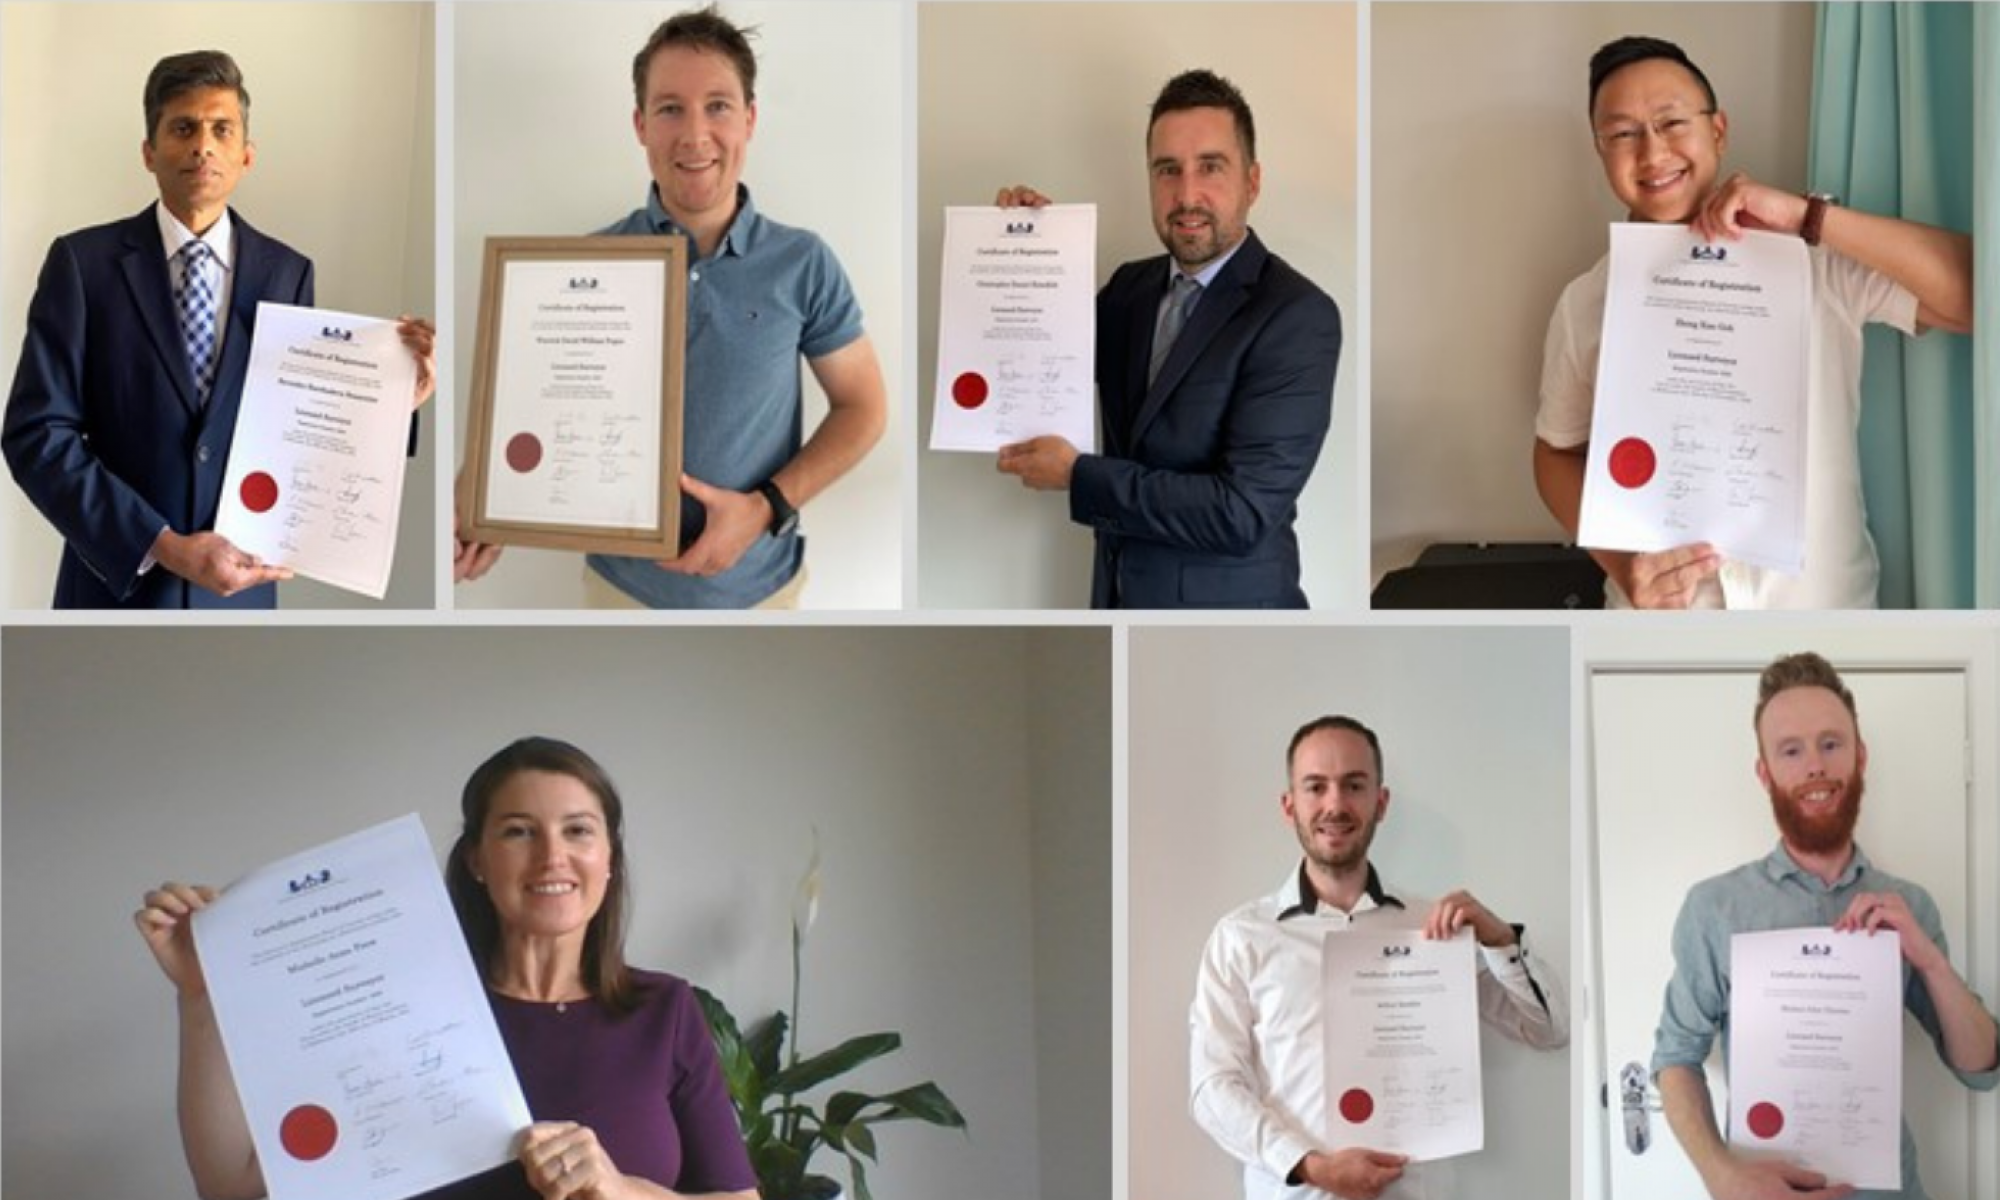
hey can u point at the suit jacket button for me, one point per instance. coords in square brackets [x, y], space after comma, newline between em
[201, 454]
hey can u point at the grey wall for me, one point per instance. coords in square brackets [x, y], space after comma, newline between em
[957, 778]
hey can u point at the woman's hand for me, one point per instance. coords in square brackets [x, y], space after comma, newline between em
[169, 932]
[565, 1162]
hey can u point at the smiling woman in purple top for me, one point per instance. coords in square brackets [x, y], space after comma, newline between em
[616, 1063]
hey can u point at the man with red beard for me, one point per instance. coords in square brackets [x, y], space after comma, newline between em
[1811, 759]
[1257, 1068]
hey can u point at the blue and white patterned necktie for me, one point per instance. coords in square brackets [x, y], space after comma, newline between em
[194, 300]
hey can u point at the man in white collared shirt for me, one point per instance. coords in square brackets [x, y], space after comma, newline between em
[1257, 1067]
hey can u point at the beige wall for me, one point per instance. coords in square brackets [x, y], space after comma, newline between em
[1487, 199]
[349, 184]
[544, 145]
[1056, 95]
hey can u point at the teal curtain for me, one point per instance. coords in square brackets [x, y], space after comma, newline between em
[1986, 275]
[1893, 118]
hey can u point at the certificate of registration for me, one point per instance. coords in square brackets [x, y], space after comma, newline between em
[1402, 1044]
[315, 479]
[358, 1032]
[1017, 327]
[1816, 1052]
[1699, 428]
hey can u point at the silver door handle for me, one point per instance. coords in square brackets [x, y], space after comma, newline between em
[1637, 1100]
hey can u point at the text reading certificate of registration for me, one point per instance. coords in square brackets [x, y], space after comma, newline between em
[358, 1032]
[1816, 1052]
[1017, 327]
[1402, 1043]
[1699, 428]
[315, 479]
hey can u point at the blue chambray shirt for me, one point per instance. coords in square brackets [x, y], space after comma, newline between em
[768, 295]
[1776, 893]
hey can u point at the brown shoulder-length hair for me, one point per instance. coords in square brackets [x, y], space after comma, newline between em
[604, 971]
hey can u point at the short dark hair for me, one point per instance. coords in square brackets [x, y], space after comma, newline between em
[1206, 89]
[1614, 56]
[604, 971]
[704, 29]
[1322, 725]
[178, 74]
[1804, 669]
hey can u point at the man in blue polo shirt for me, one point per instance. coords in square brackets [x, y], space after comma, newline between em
[760, 295]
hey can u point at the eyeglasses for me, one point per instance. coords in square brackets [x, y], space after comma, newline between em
[1669, 127]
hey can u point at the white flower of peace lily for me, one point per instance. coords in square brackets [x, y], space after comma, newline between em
[805, 898]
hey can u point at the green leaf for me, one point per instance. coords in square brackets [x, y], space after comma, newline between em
[924, 1102]
[812, 1072]
[766, 1042]
[862, 1138]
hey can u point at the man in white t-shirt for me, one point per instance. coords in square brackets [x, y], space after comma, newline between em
[1661, 135]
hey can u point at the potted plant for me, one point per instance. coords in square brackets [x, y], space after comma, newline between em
[767, 1079]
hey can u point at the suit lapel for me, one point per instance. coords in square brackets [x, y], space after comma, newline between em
[252, 283]
[145, 268]
[1228, 292]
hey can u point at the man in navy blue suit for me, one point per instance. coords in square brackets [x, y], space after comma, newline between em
[123, 406]
[1215, 366]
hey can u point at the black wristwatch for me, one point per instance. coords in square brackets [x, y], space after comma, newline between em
[1816, 205]
[784, 518]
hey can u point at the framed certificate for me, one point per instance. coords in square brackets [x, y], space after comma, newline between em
[574, 437]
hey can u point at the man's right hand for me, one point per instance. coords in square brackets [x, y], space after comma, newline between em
[166, 922]
[1670, 578]
[1020, 196]
[209, 560]
[1773, 1181]
[469, 559]
[1352, 1174]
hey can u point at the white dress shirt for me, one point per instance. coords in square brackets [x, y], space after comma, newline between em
[1257, 1063]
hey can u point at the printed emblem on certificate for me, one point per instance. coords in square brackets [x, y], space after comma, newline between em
[1402, 1044]
[1699, 428]
[358, 1033]
[574, 432]
[1017, 327]
[1816, 1052]
[315, 479]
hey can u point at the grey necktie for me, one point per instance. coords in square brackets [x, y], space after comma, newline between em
[1174, 312]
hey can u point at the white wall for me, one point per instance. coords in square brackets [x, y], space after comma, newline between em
[1056, 95]
[347, 184]
[1474, 727]
[544, 145]
[946, 807]
[1970, 644]
[1488, 198]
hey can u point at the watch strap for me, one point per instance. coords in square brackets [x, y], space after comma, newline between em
[783, 516]
[1816, 205]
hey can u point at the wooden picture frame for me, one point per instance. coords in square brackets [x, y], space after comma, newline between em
[556, 366]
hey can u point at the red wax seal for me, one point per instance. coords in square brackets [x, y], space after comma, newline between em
[1632, 463]
[524, 452]
[1765, 1120]
[969, 390]
[259, 492]
[1356, 1106]
[308, 1133]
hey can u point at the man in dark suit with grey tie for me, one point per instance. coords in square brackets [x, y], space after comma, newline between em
[1215, 367]
[119, 422]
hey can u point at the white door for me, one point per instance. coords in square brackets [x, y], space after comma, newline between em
[1674, 799]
